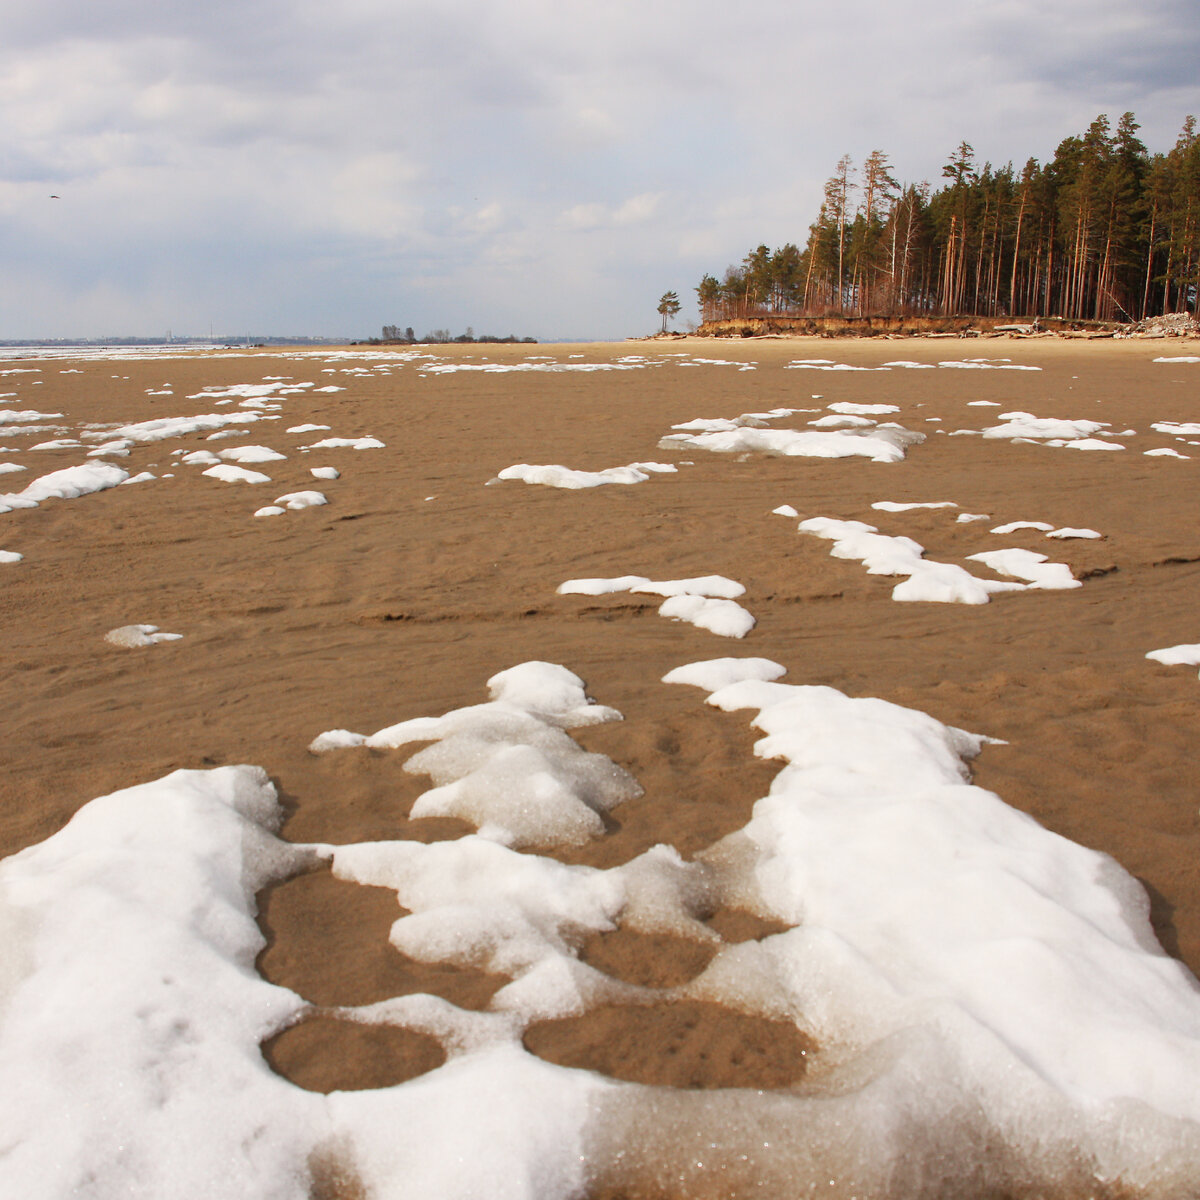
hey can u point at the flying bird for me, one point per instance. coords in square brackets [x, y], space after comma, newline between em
[55, 197]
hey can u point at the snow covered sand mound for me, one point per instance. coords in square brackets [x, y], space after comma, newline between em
[556, 476]
[66, 484]
[231, 474]
[1031, 567]
[1183, 655]
[883, 554]
[884, 443]
[706, 601]
[129, 1062]
[508, 766]
[1051, 431]
[129, 636]
[988, 1007]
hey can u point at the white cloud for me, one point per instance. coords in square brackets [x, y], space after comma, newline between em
[454, 155]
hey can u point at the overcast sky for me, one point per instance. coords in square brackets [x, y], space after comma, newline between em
[541, 167]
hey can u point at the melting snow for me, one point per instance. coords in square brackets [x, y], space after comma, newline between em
[1186, 655]
[971, 981]
[1013, 526]
[298, 500]
[252, 454]
[229, 474]
[1026, 425]
[706, 602]
[564, 477]
[1178, 428]
[65, 485]
[333, 443]
[884, 443]
[1027, 565]
[139, 635]
[508, 766]
[863, 410]
[885, 555]
[896, 506]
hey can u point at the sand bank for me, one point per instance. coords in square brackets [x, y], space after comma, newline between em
[416, 582]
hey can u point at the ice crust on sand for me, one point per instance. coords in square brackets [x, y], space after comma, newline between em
[130, 636]
[298, 500]
[1068, 532]
[1178, 428]
[129, 1062]
[1029, 566]
[66, 484]
[508, 766]
[725, 618]
[896, 506]
[10, 556]
[553, 475]
[325, 473]
[335, 443]
[987, 364]
[11, 416]
[449, 368]
[1183, 655]
[836, 421]
[699, 585]
[1026, 425]
[883, 554]
[1014, 526]
[252, 454]
[59, 444]
[1165, 452]
[706, 601]
[754, 420]
[251, 391]
[824, 364]
[863, 410]
[930, 913]
[884, 443]
[990, 1011]
[714, 673]
[161, 428]
[1084, 444]
[231, 474]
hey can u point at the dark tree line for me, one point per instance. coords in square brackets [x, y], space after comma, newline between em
[1104, 231]
[442, 337]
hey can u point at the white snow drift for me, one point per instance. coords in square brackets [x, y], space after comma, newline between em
[706, 601]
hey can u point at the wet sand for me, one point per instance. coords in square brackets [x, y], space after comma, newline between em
[417, 582]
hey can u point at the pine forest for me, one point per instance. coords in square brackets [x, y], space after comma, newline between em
[1106, 231]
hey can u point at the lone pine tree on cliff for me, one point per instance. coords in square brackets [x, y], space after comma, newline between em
[668, 307]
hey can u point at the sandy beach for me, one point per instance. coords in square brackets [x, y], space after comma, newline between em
[423, 576]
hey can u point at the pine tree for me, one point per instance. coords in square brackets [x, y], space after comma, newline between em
[668, 307]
